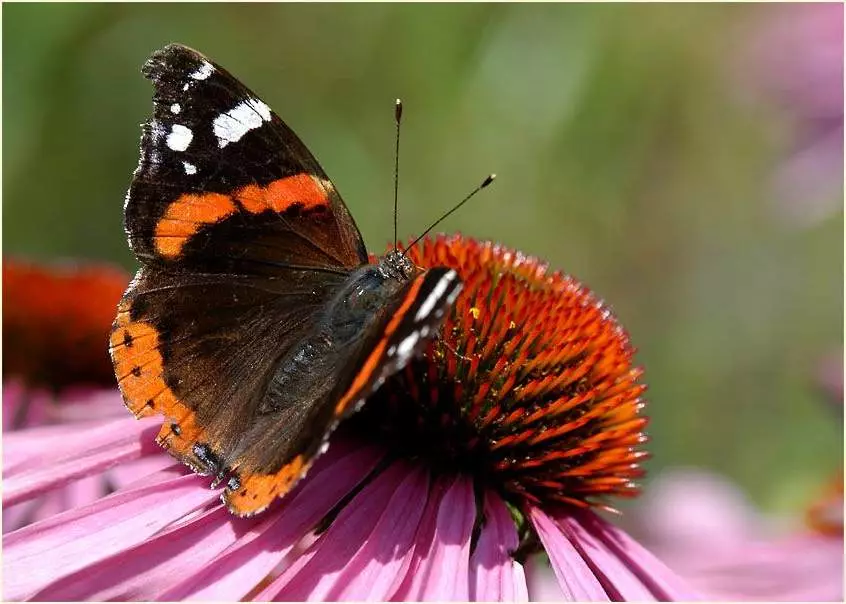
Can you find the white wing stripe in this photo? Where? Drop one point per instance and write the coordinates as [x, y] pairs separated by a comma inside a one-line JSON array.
[[435, 295]]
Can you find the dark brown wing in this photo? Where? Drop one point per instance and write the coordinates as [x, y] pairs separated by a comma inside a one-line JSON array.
[[242, 239]]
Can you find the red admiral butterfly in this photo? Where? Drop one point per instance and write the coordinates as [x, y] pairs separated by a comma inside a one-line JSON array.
[[255, 323]]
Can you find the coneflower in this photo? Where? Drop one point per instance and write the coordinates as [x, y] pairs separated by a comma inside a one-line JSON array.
[[519, 421]]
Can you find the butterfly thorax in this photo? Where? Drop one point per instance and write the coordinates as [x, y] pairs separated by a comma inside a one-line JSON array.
[[359, 302], [364, 294]]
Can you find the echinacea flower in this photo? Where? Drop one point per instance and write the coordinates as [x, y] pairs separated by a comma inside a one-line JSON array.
[[520, 420]]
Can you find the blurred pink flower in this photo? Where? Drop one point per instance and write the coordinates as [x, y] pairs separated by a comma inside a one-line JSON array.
[[707, 532], [795, 61], [366, 523]]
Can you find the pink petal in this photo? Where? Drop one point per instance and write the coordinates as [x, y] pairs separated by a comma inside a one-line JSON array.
[[364, 553], [575, 577], [79, 404], [74, 495], [128, 473], [146, 571], [23, 407], [13, 401], [249, 560], [17, 516], [619, 581], [41, 553], [440, 566], [44, 445], [44, 462], [651, 572], [494, 575]]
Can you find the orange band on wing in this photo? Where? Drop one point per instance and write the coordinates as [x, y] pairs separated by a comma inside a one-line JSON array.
[[134, 346], [257, 491], [187, 215], [193, 211], [279, 195], [372, 362]]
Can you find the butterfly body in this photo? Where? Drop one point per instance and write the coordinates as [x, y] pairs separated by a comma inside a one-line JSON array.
[[255, 323]]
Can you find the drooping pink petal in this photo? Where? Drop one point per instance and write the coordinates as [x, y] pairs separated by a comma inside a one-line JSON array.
[[45, 462], [439, 568], [424, 535], [620, 583], [494, 574], [128, 473], [376, 570], [81, 404], [651, 572], [364, 553], [42, 553], [145, 571], [12, 400], [249, 560], [577, 580], [82, 492], [16, 516]]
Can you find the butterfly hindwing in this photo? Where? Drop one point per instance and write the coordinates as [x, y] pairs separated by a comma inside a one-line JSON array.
[[200, 349], [279, 453]]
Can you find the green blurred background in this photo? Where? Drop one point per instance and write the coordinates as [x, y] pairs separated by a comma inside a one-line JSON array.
[[628, 154]]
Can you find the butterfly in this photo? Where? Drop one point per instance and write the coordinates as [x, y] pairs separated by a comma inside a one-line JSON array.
[[256, 322]]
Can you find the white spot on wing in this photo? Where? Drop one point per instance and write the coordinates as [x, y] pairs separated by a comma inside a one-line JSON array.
[[229, 127], [189, 167], [203, 71], [179, 137], [432, 299], [175, 108]]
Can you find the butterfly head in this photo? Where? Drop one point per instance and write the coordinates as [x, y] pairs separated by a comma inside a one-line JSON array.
[[394, 265]]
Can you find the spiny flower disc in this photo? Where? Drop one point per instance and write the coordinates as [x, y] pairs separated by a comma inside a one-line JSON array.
[[530, 387]]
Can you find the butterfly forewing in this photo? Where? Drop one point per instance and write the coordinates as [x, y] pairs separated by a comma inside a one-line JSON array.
[[224, 185]]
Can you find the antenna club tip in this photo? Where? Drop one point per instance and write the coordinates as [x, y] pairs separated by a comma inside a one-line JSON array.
[[398, 110], [488, 180]]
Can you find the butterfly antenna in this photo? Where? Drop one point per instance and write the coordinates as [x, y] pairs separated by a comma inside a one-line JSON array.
[[397, 119], [484, 184]]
